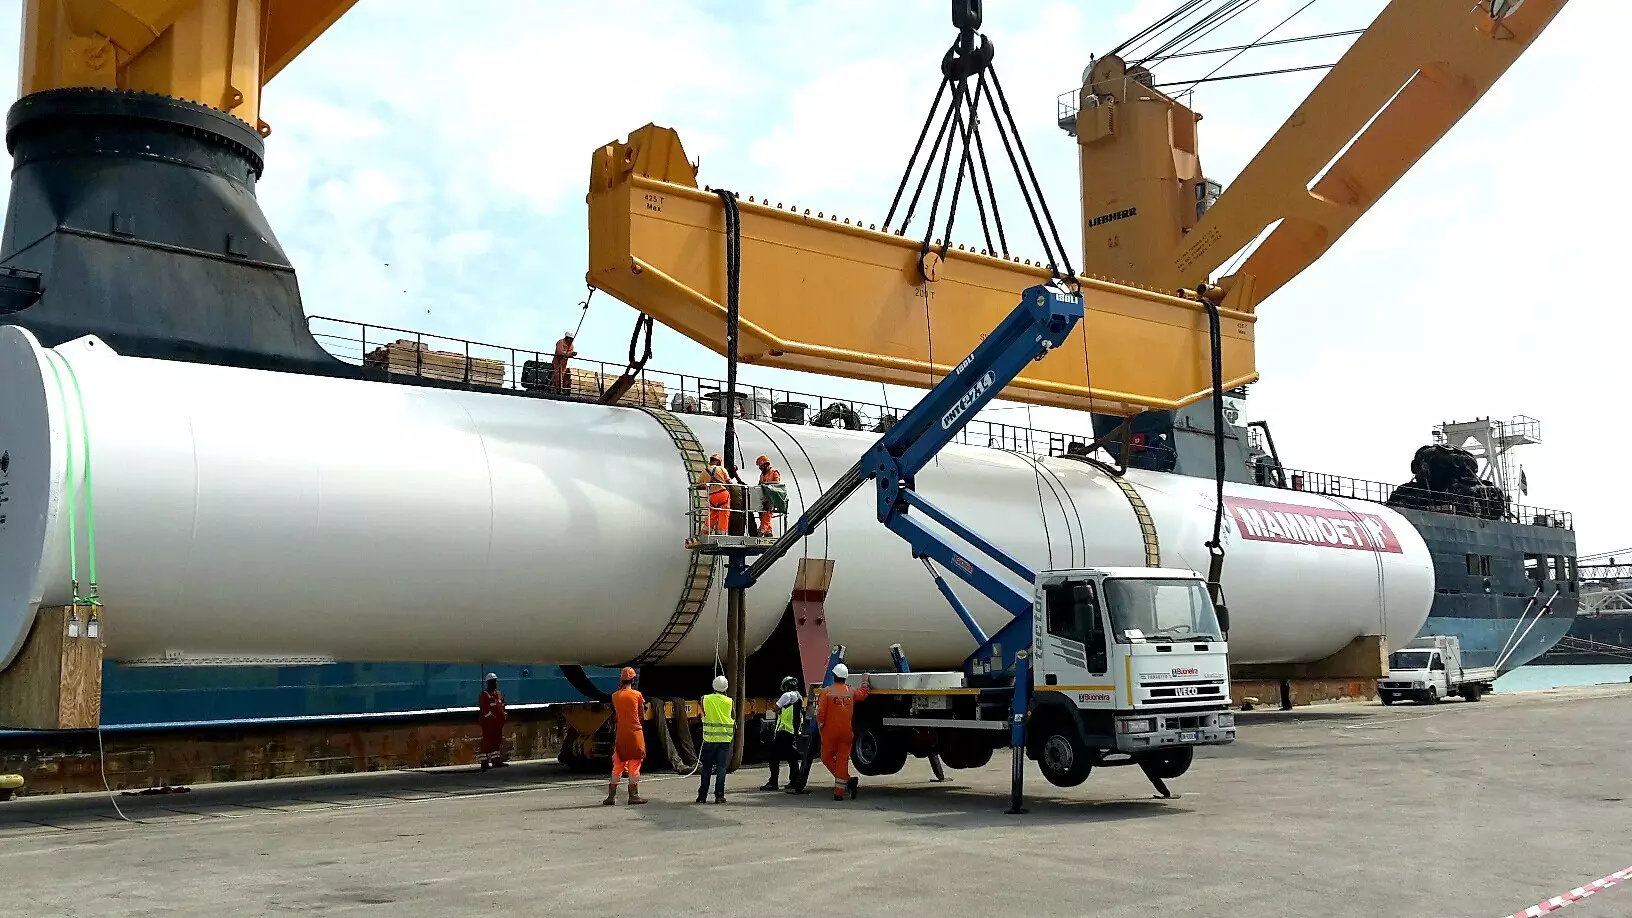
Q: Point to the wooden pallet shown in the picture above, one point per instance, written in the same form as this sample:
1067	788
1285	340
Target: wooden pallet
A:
591	385
413	358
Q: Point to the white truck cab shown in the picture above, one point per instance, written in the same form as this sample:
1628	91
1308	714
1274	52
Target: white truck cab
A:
1429	669
1128	666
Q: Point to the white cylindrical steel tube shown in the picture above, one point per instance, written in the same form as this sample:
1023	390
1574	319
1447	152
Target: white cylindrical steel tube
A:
243	514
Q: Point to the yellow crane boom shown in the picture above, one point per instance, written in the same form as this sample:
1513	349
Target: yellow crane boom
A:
1410	76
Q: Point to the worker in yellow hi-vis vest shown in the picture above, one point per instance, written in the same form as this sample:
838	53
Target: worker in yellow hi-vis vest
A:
719	729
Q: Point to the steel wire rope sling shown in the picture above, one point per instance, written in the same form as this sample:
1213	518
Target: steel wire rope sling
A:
1215	545
970	58
736	614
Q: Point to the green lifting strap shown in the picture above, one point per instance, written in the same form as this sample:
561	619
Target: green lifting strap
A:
90	492
51	358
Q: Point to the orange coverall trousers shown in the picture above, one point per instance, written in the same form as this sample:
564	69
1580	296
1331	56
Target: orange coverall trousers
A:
719	511
836	756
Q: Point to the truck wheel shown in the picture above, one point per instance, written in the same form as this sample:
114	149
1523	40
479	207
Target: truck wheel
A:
877	751
1168	763
1433	695
1472	692
1064	759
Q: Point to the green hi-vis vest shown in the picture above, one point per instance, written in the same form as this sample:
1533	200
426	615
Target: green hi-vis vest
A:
718	724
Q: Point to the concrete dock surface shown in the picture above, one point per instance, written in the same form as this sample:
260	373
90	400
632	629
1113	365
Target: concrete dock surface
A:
1476	810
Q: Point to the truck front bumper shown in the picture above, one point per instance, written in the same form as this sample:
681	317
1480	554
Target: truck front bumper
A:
1142	733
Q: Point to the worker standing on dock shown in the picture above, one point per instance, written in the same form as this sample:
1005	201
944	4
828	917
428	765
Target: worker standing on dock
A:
835	715
719	729
491	716
768	475
789	710
714	479
564	351
629	743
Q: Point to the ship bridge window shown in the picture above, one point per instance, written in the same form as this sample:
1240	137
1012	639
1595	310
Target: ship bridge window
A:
1478	565
1535	567
1561	568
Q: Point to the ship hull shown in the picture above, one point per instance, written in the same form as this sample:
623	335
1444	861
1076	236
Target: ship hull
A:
1486	573
163	695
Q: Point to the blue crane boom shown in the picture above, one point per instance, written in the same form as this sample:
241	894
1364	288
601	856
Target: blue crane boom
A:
1041	322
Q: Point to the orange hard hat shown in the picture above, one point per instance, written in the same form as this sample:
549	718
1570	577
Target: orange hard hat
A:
628	674
763	460
715	458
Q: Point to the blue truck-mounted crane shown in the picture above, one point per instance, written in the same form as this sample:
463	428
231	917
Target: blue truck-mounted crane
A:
1097	666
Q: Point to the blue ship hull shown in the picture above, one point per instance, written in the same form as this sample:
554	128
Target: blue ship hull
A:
1485	573
134	695
1487	636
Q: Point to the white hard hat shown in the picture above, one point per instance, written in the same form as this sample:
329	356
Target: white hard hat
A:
490	677
841	671
720	685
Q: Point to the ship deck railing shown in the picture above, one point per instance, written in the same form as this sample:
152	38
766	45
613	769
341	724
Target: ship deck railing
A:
490	367
493	367
1379	492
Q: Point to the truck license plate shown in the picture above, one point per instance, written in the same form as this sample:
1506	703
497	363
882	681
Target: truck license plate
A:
1188	736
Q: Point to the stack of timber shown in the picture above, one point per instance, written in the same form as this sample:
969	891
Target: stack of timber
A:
413	358
590	384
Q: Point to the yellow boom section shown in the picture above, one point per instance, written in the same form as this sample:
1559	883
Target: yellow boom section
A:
829	296
215	52
1419	67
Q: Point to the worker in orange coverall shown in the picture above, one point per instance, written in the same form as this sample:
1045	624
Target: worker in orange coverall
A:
564	352
490	708
714	479
767	475
835	714
629	745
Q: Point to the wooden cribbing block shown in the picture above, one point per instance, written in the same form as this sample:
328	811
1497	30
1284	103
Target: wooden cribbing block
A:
55	683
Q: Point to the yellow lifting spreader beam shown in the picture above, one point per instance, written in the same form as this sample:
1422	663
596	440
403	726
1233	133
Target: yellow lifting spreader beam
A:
826	295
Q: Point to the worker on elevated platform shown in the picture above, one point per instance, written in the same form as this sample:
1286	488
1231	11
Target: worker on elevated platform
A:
768	475
719	730
789	710
629	744
835	715
714	479
564	352
490	715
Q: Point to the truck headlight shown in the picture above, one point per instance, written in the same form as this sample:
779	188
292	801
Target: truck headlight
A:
1136	725
1226	720
1419	685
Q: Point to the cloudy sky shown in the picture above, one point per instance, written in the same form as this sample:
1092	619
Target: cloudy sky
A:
427	170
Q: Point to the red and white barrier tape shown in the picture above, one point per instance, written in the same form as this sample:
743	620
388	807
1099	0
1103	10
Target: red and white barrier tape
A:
1575	895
